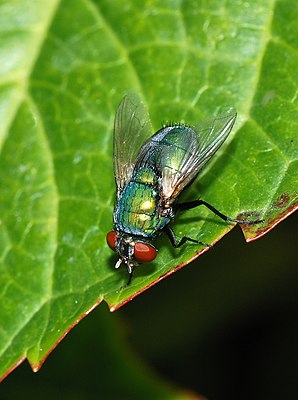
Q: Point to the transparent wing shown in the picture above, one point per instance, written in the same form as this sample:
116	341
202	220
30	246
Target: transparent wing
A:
179	152
131	129
201	146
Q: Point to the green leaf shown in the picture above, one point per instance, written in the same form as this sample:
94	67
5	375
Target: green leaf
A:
64	68
102	367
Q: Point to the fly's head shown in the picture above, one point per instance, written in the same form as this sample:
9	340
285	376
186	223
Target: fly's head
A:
131	251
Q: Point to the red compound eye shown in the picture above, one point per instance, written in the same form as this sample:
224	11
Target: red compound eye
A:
111	240
144	252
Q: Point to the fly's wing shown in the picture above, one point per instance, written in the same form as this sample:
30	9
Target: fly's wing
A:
131	128
183	151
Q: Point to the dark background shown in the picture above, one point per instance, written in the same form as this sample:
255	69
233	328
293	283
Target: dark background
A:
224	326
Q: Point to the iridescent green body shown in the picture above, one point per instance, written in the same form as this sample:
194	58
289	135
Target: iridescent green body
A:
137	208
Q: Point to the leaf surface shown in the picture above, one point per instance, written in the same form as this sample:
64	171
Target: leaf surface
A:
64	69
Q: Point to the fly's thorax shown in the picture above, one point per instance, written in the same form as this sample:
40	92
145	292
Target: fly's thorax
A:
145	175
137	198
137	211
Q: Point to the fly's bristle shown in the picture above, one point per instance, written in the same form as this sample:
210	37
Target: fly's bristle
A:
166	124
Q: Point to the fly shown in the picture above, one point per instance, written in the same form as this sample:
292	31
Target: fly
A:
151	174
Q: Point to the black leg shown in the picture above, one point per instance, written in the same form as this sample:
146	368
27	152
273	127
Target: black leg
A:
129	279
196	203
176	244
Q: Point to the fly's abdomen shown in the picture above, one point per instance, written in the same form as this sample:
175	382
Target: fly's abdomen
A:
169	149
136	210
171	152
174	143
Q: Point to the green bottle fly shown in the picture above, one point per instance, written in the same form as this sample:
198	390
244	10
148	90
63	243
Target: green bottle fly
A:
151	172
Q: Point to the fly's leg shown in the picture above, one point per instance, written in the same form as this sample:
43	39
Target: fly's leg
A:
181	242
192	204
129	280
130	272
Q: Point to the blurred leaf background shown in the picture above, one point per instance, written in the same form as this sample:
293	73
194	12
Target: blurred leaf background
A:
224	327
